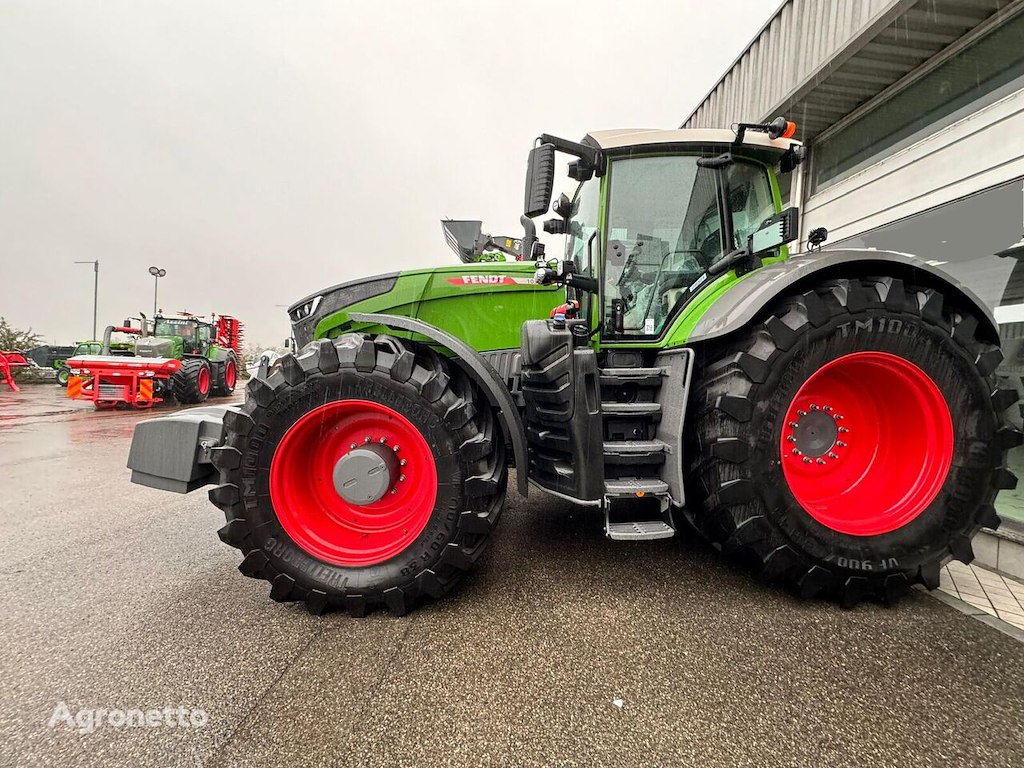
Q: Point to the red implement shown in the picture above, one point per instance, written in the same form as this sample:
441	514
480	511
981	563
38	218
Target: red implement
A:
108	381
9	360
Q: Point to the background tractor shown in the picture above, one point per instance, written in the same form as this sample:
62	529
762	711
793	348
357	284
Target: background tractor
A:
184	357
64	372
831	420
209	353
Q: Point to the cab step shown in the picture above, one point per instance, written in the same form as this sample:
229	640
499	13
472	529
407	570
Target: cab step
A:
644	530
641	377
631	487
630	409
631	453
633	447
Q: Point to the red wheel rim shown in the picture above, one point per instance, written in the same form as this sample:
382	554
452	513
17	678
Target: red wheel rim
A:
311	509
867	443
203	380
229	374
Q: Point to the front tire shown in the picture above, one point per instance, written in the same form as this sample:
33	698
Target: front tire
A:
191	383
852	441
63	374
324	532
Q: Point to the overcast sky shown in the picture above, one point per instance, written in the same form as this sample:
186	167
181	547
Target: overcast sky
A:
259	151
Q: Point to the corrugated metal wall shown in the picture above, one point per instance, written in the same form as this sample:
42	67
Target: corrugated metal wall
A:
805	37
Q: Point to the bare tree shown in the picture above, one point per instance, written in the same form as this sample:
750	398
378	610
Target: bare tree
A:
15	339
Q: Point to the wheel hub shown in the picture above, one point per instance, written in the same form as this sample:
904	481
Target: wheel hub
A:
364	474
815	434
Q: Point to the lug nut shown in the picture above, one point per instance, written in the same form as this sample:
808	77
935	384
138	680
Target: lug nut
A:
792	425
797	452
833	455
402	463
394	491
801	413
819	461
352	447
843	429
814	407
383	440
828	408
367	439
401	478
806	460
840	444
395	449
837	417
791	439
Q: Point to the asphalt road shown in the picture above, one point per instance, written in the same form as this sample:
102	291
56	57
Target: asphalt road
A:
119	597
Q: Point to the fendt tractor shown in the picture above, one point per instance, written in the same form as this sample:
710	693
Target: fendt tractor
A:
833	420
185	357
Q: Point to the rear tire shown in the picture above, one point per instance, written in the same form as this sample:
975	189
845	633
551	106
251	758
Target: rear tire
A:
63	374
893	495
300	539
226	377
191	383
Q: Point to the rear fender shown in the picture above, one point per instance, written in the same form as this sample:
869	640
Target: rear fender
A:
738	306
482	373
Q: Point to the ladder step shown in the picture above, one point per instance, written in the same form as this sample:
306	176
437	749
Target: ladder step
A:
645	530
630	409
644	377
634	447
648	486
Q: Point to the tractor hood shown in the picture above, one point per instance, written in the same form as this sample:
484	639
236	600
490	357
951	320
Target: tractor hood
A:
483	304
158	346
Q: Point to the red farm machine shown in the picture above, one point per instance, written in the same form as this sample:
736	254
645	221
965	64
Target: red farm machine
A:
184	358
8	361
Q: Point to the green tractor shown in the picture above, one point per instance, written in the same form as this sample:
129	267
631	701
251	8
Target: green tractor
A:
208	351
831	420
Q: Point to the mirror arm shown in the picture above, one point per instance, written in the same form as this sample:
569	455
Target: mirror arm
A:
727	261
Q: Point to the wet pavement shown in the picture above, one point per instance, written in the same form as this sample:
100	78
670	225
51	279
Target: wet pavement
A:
563	648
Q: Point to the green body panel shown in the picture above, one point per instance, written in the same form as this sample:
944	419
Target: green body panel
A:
483	304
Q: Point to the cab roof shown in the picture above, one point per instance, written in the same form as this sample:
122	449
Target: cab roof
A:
634	138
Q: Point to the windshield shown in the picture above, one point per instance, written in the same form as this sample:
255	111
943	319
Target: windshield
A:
183	328
665	230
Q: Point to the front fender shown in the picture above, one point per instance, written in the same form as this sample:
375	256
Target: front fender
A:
747	298
482	373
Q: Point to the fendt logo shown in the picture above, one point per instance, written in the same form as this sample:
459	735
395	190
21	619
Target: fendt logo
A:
489	280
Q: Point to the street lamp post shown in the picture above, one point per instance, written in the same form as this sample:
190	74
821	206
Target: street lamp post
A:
95	290
157	273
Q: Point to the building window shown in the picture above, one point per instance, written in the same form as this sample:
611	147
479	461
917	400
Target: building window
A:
962	239
988	70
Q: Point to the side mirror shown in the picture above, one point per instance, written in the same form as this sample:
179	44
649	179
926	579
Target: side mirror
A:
775	231
540	180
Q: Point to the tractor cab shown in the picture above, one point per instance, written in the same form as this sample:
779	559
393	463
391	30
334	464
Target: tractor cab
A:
195	335
658	216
